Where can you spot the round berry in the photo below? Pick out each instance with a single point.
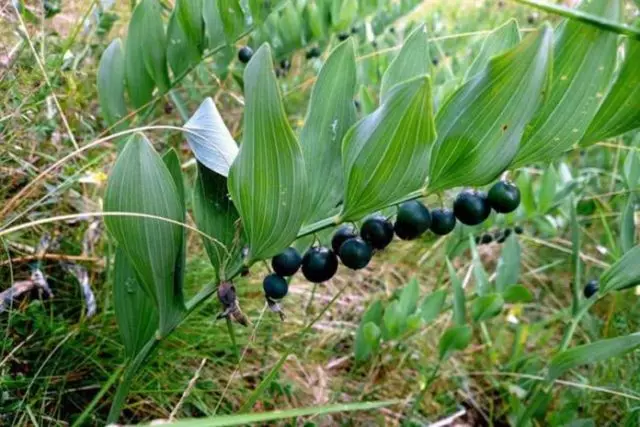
(343, 36)
(319, 264)
(486, 239)
(518, 229)
(355, 253)
(342, 234)
(412, 220)
(471, 207)
(377, 231)
(275, 287)
(591, 288)
(443, 221)
(504, 197)
(244, 54)
(285, 64)
(506, 232)
(287, 263)
(314, 52)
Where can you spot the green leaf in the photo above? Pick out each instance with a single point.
(214, 30)
(624, 274)
(517, 294)
(362, 346)
(366, 100)
(620, 111)
(479, 273)
(330, 115)
(413, 60)
(501, 39)
(232, 18)
(209, 138)
(136, 315)
(547, 191)
(432, 305)
(111, 84)
(139, 82)
(631, 170)
(267, 181)
(147, 42)
(459, 300)
(486, 306)
(216, 216)
(408, 300)
(628, 225)
(508, 269)
(584, 61)
(481, 124)
(456, 338)
(585, 17)
(399, 132)
(591, 353)
(392, 321)
(526, 193)
(172, 162)
(290, 27)
(264, 417)
(141, 183)
(343, 13)
(185, 36)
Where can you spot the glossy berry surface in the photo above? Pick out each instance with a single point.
(471, 207)
(275, 287)
(244, 54)
(443, 221)
(486, 239)
(355, 253)
(319, 264)
(591, 288)
(342, 234)
(377, 231)
(314, 52)
(412, 220)
(518, 229)
(504, 197)
(287, 263)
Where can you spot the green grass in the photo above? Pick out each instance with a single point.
(54, 360)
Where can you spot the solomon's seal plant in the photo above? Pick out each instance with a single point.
(270, 196)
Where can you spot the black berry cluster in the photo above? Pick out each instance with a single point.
(498, 236)
(473, 207)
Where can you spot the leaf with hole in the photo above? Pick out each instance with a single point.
(111, 84)
(141, 183)
(481, 124)
(584, 61)
(330, 115)
(267, 180)
(399, 132)
(210, 139)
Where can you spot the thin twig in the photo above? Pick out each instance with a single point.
(187, 392)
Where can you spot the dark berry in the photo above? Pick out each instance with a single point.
(342, 234)
(471, 207)
(286, 263)
(518, 229)
(506, 232)
(354, 30)
(412, 220)
(477, 240)
(504, 197)
(285, 64)
(392, 30)
(319, 264)
(275, 287)
(356, 104)
(591, 288)
(443, 221)
(244, 54)
(486, 239)
(343, 36)
(374, 44)
(355, 253)
(314, 52)
(501, 239)
(435, 62)
(377, 231)
(531, 19)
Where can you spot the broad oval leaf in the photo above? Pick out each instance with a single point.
(393, 321)
(232, 18)
(432, 305)
(343, 12)
(111, 84)
(214, 30)
(481, 124)
(210, 139)
(591, 353)
(216, 216)
(399, 132)
(584, 61)
(141, 183)
(413, 60)
(408, 300)
(625, 273)
(620, 111)
(136, 314)
(185, 36)
(501, 39)
(331, 113)
(517, 294)
(290, 27)
(267, 181)
(485, 307)
(362, 345)
(508, 269)
(139, 82)
(454, 339)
